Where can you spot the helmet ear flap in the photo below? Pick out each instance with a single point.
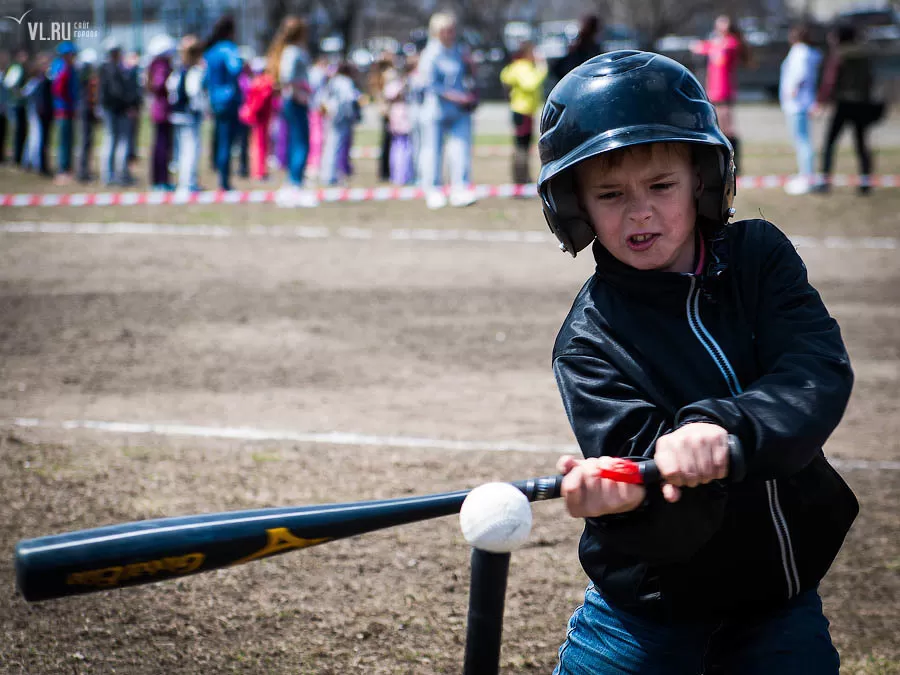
(717, 177)
(564, 215)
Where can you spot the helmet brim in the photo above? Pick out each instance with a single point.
(626, 137)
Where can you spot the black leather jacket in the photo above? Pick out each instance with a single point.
(748, 345)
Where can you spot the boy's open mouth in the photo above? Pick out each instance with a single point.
(642, 241)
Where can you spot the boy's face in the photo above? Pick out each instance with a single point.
(642, 205)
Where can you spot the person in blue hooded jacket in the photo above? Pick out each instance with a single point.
(223, 66)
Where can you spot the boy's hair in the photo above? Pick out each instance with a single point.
(644, 152)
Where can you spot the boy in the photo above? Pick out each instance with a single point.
(690, 329)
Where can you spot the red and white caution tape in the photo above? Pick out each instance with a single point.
(477, 151)
(377, 194)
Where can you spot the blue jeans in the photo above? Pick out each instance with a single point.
(31, 155)
(337, 142)
(189, 154)
(458, 132)
(226, 135)
(297, 118)
(118, 128)
(802, 144)
(792, 640)
(66, 140)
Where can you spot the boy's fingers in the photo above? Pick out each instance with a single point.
(671, 493)
(704, 464)
(720, 459)
(565, 463)
(572, 490)
(665, 459)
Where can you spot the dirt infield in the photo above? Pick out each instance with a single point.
(445, 340)
(441, 340)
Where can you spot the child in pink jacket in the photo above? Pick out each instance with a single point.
(725, 52)
(256, 112)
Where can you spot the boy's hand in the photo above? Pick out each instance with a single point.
(587, 496)
(690, 456)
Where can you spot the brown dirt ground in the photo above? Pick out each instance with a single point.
(448, 340)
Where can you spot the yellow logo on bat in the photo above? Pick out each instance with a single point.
(113, 576)
(280, 540)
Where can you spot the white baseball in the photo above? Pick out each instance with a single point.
(496, 517)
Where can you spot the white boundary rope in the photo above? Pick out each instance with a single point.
(395, 234)
(355, 439)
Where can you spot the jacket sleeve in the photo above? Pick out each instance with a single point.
(611, 415)
(785, 416)
(829, 79)
(607, 413)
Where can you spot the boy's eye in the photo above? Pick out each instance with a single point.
(660, 187)
(606, 196)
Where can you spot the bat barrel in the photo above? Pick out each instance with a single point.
(487, 594)
(148, 551)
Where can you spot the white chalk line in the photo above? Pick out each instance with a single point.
(356, 439)
(396, 234)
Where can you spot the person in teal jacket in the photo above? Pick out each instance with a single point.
(223, 66)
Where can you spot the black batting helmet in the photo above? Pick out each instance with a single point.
(619, 99)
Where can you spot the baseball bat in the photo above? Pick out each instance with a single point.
(148, 551)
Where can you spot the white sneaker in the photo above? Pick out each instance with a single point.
(307, 199)
(285, 197)
(436, 200)
(462, 198)
(292, 196)
(798, 185)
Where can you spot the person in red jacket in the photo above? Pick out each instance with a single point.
(256, 113)
(65, 102)
(725, 52)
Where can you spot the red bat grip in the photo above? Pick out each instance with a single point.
(647, 473)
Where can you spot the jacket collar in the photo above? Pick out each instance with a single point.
(655, 287)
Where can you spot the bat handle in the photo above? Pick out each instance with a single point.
(539, 489)
(737, 465)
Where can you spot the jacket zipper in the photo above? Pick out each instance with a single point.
(734, 386)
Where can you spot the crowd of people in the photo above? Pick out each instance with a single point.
(287, 109)
(281, 109)
(810, 83)
(847, 83)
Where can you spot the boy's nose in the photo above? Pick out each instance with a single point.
(639, 209)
